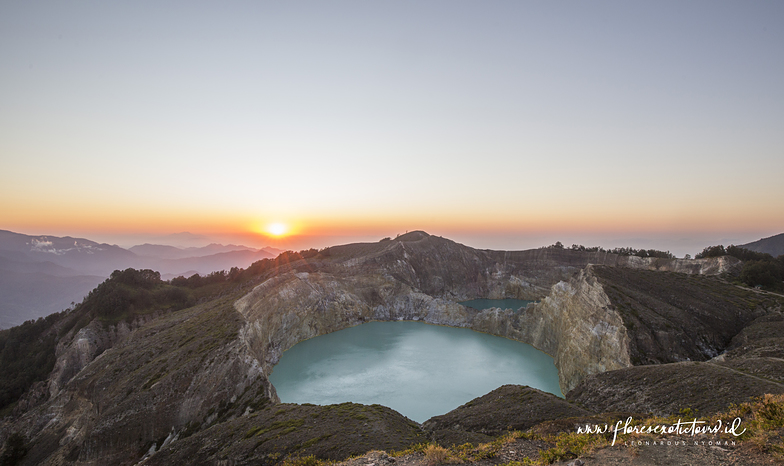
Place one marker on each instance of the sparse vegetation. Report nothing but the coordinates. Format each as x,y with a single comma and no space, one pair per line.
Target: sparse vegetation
197,281
436,454
619,251
570,445
759,268
309,460
285,427
285,259
763,419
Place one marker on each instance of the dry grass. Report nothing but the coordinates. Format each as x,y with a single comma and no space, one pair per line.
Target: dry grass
436,454
763,419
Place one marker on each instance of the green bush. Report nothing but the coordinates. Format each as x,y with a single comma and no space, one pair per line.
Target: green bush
762,273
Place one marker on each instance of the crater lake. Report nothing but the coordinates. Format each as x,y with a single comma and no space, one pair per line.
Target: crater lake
417,369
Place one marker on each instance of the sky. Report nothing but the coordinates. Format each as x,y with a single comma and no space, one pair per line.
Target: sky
499,124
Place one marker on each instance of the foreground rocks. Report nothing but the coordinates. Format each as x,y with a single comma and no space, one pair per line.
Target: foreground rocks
266,436
510,407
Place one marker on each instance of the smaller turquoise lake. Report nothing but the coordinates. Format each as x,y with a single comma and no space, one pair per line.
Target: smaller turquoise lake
417,369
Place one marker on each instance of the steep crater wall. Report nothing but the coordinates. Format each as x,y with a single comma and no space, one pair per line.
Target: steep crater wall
578,326
578,323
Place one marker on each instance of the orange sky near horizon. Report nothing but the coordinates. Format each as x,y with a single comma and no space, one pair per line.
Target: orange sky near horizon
142,219
596,212
320,231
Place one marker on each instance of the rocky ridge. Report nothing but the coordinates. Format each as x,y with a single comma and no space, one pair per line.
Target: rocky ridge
142,392
420,277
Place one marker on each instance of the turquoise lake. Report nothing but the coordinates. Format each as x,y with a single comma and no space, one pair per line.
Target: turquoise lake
417,369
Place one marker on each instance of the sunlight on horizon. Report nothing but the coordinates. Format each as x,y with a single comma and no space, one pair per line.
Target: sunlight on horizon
277,229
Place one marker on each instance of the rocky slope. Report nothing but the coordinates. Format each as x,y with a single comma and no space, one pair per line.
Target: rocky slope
679,324
607,318
178,372
270,434
510,407
676,317
664,389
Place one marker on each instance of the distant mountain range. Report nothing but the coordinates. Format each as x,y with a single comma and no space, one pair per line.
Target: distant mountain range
172,252
40,275
773,245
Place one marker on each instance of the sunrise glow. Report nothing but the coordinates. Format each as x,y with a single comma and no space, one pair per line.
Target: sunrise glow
277,229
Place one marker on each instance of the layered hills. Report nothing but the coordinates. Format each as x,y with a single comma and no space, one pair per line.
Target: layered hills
172,373
40,275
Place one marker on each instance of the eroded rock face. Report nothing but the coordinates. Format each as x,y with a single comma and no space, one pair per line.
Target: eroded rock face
608,318
577,325
574,318
758,349
75,352
707,266
677,324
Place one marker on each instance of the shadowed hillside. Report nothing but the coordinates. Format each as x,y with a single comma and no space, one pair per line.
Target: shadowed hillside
773,245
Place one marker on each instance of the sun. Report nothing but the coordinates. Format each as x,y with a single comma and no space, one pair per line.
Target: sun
277,229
